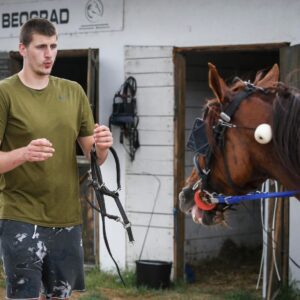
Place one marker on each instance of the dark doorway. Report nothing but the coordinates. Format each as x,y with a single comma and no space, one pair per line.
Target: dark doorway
194,242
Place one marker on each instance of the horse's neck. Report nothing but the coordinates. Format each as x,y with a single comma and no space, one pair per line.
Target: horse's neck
285,177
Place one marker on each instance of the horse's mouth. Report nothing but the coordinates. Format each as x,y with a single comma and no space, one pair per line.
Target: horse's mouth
199,216
203,217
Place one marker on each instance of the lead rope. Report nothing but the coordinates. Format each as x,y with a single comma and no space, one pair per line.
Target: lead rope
101,190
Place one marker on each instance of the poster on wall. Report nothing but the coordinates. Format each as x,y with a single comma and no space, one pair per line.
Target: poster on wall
69,16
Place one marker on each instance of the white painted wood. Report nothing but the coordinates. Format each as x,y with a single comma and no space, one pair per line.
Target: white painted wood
155,138
149,178
149,65
148,191
147,52
156,220
152,159
152,79
155,101
156,123
158,244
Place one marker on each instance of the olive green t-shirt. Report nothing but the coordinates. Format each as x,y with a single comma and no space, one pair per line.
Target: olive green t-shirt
43,193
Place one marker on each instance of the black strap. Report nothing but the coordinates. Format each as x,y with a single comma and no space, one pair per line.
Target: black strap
101,190
237,100
219,133
219,130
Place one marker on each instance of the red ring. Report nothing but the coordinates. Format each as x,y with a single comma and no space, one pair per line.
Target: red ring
201,204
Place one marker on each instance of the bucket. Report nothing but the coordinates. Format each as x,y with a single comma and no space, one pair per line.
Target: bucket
153,273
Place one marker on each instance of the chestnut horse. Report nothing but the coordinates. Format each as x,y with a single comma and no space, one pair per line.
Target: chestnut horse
250,132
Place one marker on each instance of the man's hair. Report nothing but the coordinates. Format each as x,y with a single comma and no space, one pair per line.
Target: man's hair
38,26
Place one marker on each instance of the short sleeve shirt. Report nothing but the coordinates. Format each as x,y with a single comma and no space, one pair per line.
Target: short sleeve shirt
43,193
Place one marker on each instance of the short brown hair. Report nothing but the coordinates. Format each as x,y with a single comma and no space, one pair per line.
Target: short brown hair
36,25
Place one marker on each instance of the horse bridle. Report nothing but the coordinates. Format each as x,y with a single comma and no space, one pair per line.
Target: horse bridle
100,191
198,141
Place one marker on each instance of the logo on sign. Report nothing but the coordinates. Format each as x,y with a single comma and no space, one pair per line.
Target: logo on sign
94,10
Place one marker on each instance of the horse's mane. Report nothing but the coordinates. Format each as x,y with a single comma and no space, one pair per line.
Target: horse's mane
286,127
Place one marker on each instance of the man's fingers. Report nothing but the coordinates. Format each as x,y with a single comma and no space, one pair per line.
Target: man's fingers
41,142
39,150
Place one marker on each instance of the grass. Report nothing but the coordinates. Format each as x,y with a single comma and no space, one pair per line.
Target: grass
106,286
215,280
289,292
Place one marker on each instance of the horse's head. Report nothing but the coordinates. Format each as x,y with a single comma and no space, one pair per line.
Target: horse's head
239,143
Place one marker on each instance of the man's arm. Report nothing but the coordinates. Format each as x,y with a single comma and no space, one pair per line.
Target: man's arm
36,150
103,140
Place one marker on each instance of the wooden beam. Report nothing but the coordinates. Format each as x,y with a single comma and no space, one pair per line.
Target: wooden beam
179,126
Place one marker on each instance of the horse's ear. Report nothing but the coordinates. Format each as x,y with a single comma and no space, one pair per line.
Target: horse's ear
216,83
258,77
270,79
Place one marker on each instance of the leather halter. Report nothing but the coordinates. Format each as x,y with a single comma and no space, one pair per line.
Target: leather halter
100,191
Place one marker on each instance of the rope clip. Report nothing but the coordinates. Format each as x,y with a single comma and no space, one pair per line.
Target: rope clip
210,197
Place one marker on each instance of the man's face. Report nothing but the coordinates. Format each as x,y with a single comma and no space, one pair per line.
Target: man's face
40,54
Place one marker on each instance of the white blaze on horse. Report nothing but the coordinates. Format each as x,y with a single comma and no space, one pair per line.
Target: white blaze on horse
249,133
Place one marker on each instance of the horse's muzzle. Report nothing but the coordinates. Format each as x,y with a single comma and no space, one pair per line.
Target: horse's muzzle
186,199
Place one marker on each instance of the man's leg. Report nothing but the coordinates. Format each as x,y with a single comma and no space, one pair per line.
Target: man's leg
63,267
22,260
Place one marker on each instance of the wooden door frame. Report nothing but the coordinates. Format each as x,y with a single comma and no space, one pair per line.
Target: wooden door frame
179,127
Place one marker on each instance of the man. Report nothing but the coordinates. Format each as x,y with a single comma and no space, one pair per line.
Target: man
41,117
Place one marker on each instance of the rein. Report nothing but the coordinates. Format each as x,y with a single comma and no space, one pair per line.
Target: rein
212,199
100,191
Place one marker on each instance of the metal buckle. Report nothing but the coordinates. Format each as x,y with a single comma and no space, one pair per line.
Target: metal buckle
210,197
196,185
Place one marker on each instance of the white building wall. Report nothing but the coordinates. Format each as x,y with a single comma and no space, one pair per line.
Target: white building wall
149,178
175,23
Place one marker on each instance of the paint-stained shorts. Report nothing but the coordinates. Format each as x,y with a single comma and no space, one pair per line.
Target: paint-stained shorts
40,259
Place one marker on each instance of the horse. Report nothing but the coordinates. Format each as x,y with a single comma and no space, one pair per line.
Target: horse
250,132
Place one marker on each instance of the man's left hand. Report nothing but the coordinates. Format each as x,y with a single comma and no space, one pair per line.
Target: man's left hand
102,137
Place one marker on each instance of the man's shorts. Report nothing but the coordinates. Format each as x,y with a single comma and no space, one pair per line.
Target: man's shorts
36,258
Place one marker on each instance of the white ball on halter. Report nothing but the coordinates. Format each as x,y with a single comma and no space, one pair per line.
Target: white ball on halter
263,133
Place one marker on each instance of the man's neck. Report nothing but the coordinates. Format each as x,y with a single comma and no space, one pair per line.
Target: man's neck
34,81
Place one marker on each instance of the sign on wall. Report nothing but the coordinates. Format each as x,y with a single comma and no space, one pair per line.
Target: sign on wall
69,16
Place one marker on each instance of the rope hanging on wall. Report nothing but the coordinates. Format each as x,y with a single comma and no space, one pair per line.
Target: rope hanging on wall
125,116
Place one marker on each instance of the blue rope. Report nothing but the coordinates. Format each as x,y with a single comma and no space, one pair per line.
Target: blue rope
252,196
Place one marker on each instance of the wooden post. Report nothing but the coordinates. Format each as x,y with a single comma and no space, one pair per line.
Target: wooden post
280,263
179,139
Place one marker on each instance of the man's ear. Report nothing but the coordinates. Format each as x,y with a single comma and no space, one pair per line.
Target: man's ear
22,49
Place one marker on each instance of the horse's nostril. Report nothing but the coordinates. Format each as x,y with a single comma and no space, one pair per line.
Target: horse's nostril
188,192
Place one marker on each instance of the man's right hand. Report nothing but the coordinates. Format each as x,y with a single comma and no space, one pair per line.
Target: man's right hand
38,150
